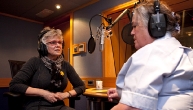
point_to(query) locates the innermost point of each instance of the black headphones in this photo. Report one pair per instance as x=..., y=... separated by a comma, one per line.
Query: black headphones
x=42, y=49
x=157, y=22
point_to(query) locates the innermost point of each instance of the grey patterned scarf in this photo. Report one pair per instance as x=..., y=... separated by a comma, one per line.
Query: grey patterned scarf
x=57, y=77
x=48, y=62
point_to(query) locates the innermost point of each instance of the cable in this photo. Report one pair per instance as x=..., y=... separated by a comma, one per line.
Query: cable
x=109, y=20
x=125, y=53
x=113, y=57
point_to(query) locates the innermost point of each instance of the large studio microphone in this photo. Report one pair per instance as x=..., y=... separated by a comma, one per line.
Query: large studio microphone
x=102, y=39
x=117, y=19
x=91, y=42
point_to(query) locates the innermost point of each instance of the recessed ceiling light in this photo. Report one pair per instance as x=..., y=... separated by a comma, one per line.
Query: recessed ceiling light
x=58, y=6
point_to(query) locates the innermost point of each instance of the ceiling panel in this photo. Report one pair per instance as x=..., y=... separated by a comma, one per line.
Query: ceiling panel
x=29, y=8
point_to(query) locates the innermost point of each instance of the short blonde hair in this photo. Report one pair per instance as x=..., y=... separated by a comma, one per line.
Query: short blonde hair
x=50, y=34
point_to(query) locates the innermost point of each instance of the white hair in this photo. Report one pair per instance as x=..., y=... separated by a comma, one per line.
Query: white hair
x=142, y=15
x=52, y=33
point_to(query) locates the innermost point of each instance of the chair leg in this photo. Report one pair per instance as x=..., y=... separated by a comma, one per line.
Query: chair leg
x=72, y=101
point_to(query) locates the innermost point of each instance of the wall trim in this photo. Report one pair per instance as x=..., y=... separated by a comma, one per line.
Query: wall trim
x=21, y=18
x=4, y=82
x=107, y=81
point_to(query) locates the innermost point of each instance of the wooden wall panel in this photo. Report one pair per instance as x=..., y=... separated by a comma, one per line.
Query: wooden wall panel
x=115, y=43
x=120, y=51
x=187, y=4
x=4, y=82
x=108, y=63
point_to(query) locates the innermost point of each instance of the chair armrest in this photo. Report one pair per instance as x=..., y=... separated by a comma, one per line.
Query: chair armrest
x=15, y=100
x=74, y=98
x=11, y=94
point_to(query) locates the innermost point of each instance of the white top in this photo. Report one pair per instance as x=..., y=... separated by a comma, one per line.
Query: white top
x=158, y=76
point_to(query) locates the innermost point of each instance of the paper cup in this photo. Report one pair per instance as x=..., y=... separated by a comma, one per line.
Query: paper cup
x=99, y=84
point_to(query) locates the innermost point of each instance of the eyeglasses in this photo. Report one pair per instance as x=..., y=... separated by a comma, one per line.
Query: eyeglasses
x=55, y=42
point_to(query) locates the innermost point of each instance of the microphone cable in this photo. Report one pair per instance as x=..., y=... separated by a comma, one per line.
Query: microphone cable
x=109, y=20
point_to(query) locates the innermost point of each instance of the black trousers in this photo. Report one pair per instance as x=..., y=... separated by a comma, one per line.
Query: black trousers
x=45, y=105
x=60, y=107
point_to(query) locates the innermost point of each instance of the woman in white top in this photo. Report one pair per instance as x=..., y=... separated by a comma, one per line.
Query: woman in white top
x=159, y=75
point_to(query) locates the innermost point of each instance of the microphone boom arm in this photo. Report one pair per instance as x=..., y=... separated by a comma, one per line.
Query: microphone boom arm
x=117, y=19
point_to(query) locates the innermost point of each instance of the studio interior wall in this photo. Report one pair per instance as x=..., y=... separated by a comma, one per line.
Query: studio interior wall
x=86, y=64
x=18, y=41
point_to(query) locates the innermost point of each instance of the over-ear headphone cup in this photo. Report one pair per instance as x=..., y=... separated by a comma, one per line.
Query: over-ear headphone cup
x=42, y=49
x=153, y=25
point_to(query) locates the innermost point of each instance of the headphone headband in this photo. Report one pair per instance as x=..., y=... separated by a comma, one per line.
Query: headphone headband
x=156, y=6
x=42, y=34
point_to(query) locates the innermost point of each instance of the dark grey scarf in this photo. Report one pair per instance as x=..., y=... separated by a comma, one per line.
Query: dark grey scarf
x=48, y=63
x=55, y=68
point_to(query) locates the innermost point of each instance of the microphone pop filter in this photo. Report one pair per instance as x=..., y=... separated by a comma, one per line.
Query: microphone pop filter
x=91, y=45
x=126, y=34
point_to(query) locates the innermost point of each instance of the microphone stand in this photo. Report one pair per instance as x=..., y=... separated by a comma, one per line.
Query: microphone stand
x=109, y=20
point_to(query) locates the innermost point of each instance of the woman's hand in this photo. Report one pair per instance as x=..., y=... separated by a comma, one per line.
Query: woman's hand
x=61, y=95
x=49, y=96
x=112, y=94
